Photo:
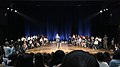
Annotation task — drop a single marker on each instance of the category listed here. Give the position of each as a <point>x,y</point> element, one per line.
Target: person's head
<point>100,56</point>
<point>46,58</point>
<point>24,60</point>
<point>79,58</point>
<point>57,34</point>
<point>11,41</point>
<point>32,54</point>
<point>57,57</point>
<point>39,60</point>
<point>58,54</point>
<point>28,60</point>
<point>105,35</point>
<point>107,54</point>
<point>116,54</point>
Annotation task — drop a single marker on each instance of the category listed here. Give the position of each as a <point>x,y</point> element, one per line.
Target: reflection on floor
<point>65,47</point>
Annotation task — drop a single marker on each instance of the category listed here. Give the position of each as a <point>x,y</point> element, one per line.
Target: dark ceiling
<point>83,8</point>
<point>102,3</point>
<point>60,0</point>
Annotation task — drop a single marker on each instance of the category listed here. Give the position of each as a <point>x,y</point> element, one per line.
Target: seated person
<point>79,58</point>
<point>115,62</point>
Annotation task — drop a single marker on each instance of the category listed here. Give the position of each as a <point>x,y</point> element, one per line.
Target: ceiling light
<point>101,11</point>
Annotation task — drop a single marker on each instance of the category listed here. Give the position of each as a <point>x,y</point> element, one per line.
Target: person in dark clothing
<point>79,58</point>
<point>57,58</point>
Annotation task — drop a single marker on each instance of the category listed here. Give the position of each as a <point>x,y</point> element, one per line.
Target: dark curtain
<point>51,27</point>
<point>50,20</point>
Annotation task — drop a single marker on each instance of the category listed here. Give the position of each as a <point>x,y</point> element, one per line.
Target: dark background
<point>63,17</point>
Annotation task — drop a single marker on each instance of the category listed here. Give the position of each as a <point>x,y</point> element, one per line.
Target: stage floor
<point>65,47</point>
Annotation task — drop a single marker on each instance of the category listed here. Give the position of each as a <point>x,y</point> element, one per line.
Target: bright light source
<point>11,9</point>
<point>106,8</point>
<point>8,8</point>
<point>101,11</point>
<point>15,10</point>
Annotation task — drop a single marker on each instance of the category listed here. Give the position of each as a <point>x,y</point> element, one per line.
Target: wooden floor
<point>65,47</point>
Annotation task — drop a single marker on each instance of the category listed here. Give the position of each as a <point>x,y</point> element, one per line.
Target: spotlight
<point>11,9</point>
<point>101,11</point>
<point>106,8</point>
<point>8,8</point>
<point>15,10</point>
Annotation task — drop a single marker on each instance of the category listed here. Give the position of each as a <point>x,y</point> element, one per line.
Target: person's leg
<point>105,45</point>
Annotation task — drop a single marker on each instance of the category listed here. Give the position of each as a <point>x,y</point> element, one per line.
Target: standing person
<point>92,42</point>
<point>100,42</point>
<point>57,40</point>
<point>6,42</point>
<point>105,41</point>
<point>96,43</point>
<point>25,45</point>
<point>73,39</point>
<point>112,44</point>
<point>7,51</point>
<point>45,40</point>
<point>70,40</point>
<point>41,41</point>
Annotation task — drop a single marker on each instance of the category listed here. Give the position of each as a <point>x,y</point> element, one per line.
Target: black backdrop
<point>48,19</point>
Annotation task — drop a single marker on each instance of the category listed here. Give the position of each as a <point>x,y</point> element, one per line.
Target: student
<point>79,58</point>
<point>115,62</point>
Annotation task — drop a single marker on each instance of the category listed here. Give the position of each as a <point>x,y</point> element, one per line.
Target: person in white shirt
<point>79,40</point>
<point>57,40</point>
<point>96,43</point>
<point>73,36</point>
<point>100,42</point>
<point>41,41</point>
<point>45,40</point>
<point>7,50</point>
<point>100,58</point>
<point>23,38</point>
<point>28,38</point>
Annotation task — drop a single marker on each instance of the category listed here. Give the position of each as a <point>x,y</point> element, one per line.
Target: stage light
<point>106,8</point>
<point>11,9</point>
<point>15,10</point>
<point>8,8</point>
<point>101,11</point>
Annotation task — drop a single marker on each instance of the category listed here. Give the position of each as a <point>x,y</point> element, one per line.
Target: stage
<point>49,48</point>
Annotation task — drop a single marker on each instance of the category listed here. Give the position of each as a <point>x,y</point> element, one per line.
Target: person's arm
<point>112,64</point>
